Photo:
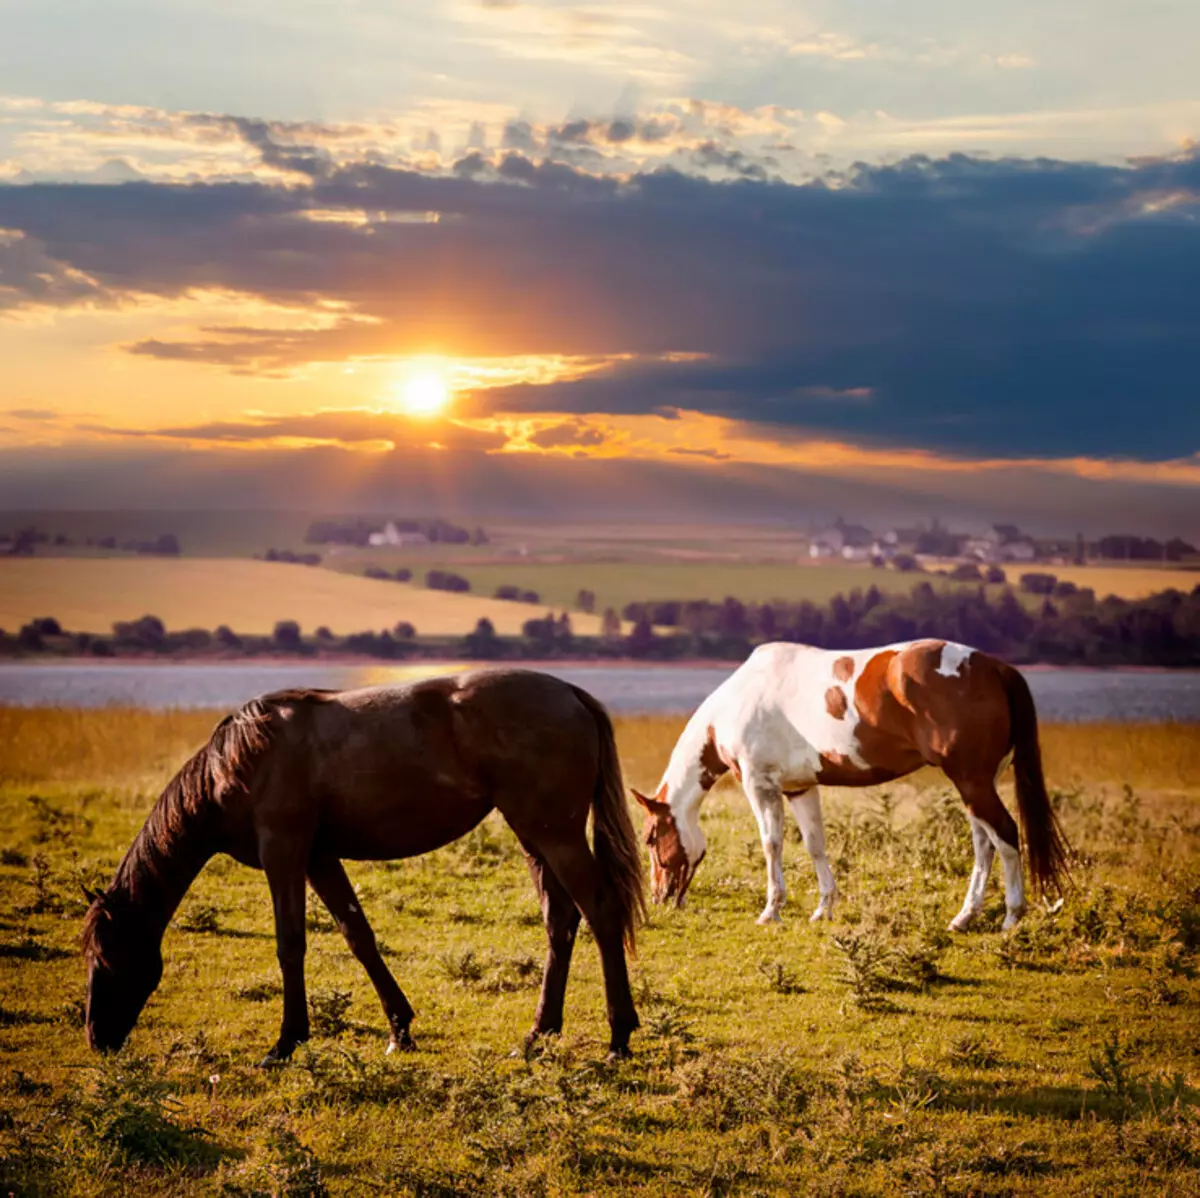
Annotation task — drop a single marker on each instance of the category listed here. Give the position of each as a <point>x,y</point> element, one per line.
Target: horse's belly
<point>401,826</point>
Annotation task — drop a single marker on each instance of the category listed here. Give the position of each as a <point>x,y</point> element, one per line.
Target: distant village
<point>1001,544</point>
<point>899,547</point>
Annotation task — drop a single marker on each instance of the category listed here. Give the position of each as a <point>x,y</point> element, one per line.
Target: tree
<point>287,636</point>
<point>586,601</point>
<point>641,641</point>
<point>483,642</point>
<point>610,625</point>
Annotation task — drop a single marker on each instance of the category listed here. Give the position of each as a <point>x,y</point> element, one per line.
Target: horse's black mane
<point>227,762</point>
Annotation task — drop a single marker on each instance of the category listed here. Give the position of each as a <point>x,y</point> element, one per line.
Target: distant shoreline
<point>351,661</point>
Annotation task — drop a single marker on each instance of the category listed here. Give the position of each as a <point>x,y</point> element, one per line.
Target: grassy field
<point>616,583</point>
<point>870,1056</point>
<point>89,594</point>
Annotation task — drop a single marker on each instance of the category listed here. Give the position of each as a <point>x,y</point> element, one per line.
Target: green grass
<point>616,583</point>
<point>871,1056</point>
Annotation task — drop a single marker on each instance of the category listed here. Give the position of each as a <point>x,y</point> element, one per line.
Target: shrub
<point>287,635</point>
<point>130,1111</point>
<point>1038,584</point>
<point>995,574</point>
<point>147,633</point>
<point>967,572</point>
<point>328,1006</point>
<point>445,580</point>
<point>227,638</point>
<point>201,918</point>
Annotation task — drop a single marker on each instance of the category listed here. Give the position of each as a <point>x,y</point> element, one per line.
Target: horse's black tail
<point>1045,845</point>
<point>614,841</point>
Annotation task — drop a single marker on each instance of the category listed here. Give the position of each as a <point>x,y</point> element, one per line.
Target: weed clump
<point>132,1113</point>
<point>201,918</point>
<point>328,1007</point>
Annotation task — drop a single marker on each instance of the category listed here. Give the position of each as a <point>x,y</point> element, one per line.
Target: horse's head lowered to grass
<point>671,871</point>
<point>124,961</point>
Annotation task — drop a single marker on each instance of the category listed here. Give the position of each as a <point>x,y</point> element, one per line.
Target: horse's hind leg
<point>979,794</point>
<point>328,879</point>
<point>562,922</point>
<point>985,852</point>
<point>577,870</point>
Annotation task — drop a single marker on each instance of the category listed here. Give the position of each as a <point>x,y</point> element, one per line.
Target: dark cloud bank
<point>990,309</point>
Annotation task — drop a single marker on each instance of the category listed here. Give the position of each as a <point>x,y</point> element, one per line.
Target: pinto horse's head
<point>671,870</point>
<point>124,967</point>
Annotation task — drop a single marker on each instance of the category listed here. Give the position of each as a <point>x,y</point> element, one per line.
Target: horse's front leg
<point>328,879</point>
<point>766,801</point>
<point>806,807</point>
<point>284,868</point>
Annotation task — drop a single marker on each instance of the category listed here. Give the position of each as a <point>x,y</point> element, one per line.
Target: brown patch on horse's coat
<point>881,732</point>
<point>712,764</point>
<point>835,702</point>
<point>843,669</point>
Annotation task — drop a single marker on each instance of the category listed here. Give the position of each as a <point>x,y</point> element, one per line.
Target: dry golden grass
<point>116,745</point>
<point>89,594</point>
<point>1126,582</point>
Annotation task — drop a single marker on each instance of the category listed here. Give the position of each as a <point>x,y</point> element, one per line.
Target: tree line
<point>1067,626</point>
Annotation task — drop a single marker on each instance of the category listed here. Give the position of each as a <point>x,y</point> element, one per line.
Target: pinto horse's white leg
<point>806,807</point>
<point>766,801</point>
<point>985,853</point>
<point>985,807</point>
<point>1014,884</point>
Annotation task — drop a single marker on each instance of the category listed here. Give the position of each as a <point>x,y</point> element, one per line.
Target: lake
<point>1071,695</point>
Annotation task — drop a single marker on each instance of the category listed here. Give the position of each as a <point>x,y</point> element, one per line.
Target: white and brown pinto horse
<point>793,717</point>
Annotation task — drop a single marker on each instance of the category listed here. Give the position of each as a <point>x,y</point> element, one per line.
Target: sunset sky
<point>756,260</point>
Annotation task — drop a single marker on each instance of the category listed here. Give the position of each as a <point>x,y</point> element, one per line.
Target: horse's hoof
<point>961,922</point>
<point>273,1060</point>
<point>402,1043</point>
<point>768,917</point>
<point>820,914</point>
<point>620,1054</point>
<point>1012,919</point>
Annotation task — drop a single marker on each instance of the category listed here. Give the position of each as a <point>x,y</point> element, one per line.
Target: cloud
<point>35,414</point>
<point>973,307</point>
<point>573,434</point>
<point>342,427</point>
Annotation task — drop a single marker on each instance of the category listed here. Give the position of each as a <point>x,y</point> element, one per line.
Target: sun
<point>424,391</point>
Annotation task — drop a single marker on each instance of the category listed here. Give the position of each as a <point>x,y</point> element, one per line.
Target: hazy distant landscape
<point>279,583</point>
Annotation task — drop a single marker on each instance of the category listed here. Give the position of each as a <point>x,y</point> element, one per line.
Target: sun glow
<point>424,390</point>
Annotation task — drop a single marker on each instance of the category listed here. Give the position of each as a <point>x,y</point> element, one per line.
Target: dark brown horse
<point>296,781</point>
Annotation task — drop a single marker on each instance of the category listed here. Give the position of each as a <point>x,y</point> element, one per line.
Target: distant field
<point>1126,582</point>
<point>618,583</point>
<point>89,594</point>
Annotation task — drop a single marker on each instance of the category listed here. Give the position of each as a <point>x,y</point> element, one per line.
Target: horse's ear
<point>651,806</point>
<point>92,896</point>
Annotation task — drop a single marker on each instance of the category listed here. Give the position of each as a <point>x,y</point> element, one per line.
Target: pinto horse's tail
<point>1045,844</point>
<point>614,841</point>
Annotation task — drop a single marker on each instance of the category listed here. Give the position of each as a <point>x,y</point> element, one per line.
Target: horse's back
<point>398,770</point>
